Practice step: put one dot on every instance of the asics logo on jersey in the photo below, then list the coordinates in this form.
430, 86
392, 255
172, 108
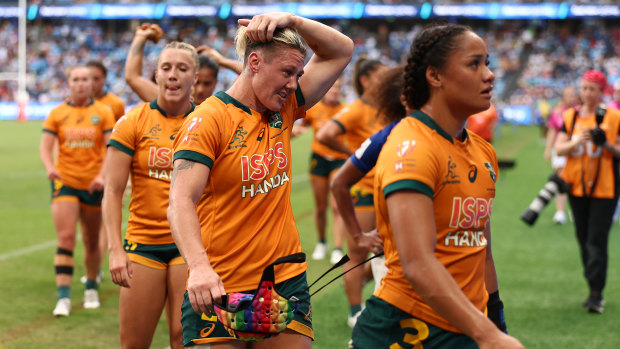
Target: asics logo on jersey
473, 173
95, 119
238, 139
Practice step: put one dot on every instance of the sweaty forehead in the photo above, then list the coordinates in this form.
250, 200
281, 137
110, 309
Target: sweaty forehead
175, 56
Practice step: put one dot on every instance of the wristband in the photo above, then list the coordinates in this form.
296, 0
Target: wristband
495, 311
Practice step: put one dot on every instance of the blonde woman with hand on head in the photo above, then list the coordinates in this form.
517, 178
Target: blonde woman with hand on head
230, 208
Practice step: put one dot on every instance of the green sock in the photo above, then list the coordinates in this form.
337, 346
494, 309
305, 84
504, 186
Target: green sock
353, 309
91, 284
64, 292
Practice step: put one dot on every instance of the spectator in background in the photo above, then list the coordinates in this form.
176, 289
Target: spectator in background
615, 103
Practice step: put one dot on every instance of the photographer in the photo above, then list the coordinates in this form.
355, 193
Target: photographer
590, 140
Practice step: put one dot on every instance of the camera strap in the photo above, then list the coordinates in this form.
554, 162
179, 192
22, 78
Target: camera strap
599, 120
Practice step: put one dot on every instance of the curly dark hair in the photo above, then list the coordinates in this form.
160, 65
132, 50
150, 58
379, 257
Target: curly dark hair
431, 47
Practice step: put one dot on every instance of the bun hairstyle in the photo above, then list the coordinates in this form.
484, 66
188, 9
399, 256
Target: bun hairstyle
385, 96
431, 47
363, 67
282, 37
185, 47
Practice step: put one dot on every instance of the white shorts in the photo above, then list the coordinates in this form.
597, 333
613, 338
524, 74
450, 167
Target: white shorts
557, 161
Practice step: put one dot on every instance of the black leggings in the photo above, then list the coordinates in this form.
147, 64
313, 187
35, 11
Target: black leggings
593, 219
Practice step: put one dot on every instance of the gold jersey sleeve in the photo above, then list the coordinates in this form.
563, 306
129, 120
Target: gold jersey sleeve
245, 212
80, 131
359, 121
319, 115
588, 164
115, 103
147, 135
459, 176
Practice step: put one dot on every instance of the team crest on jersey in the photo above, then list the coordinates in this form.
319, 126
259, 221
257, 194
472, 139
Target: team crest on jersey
491, 170
275, 119
153, 132
238, 139
451, 177
95, 119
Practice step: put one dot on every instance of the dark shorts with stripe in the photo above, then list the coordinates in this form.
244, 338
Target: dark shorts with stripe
203, 329
323, 167
154, 256
382, 325
61, 192
362, 198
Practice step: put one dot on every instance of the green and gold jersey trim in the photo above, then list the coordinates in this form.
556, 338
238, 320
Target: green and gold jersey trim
156, 106
49, 131
121, 147
428, 121
227, 99
408, 184
194, 156
344, 130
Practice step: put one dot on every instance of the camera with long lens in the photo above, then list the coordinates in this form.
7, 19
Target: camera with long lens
553, 187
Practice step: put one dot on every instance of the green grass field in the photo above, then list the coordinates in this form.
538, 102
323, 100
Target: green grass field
540, 274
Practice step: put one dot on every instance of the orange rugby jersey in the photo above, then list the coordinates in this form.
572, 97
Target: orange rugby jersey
460, 178
80, 137
115, 103
318, 116
147, 134
359, 121
245, 212
582, 162
483, 123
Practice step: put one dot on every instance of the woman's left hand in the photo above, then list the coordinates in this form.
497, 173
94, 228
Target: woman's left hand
261, 27
96, 185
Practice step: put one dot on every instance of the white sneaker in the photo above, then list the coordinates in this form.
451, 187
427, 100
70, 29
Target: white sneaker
336, 256
91, 299
320, 251
352, 320
98, 279
559, 217
63, 307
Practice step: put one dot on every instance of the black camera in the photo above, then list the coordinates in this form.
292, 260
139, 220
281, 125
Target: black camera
554, 186
598, 135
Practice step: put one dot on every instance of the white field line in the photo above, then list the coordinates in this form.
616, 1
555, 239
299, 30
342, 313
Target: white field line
50, 243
